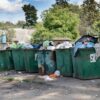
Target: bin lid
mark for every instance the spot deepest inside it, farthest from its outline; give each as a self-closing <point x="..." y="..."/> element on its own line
<point x="86" y="37"/>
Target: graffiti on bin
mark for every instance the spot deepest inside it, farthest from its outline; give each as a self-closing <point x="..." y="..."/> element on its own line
<point x="92" y="58"/>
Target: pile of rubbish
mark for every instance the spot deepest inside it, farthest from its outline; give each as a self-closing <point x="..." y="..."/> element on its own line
<point x="63" y="45"/>
<point x="46" y="45"/>
<point x="49" y="45"/>
<point x="53" y="76"/>
<point x="15" y="45"/>
<point x="86" y="41"/>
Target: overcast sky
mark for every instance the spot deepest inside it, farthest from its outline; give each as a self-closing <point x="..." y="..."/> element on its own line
<point x="10" y="10"/>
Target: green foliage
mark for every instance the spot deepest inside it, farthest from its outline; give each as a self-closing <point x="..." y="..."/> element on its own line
<point x="96" y="27"/>
<point x="62" y="3"/>
<point x="57" y="22"/>
<point x="62" y="22"/>
<point x="5" y="25"/>
<point x="20" y="24"/>
<point x="30" y="14"/>
<point x="74" y="8"/>
<point x="41" y="34"/>
<point x="90" y="12"/>
<point x="67" y="20"/>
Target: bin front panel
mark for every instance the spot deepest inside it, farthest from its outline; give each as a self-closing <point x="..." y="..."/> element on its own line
<point x="84" y="67"/>
<point x="64" y="61"/>
<point x="18" y="58"/>
<point x="30" y="61"/>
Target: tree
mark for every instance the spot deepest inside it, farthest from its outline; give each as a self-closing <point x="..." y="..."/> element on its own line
<point x="7" y="24"/>
<point x="90" y="14"/>
<point x="41" y="34"/>
<point x="65" y="4"/>
<point x="90" y="9"/>
<point x="62" y="3"/>
<point x="96" y="28"/>
<point x="62" y="22"/>
<point x="20" y="24"/>
<point x="57" y="22"/>
<point x="30" y="14"/>
<point x="74" y="8"/>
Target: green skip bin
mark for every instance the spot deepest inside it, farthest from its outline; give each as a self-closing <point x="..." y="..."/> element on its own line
<point x="85" y="64"/>
<point x="6" y="62"/>
<point x="31" y="64"/>
<point x="18" y="58"/>
<point x="64" y="61"/>
<point x="47" y="59"/>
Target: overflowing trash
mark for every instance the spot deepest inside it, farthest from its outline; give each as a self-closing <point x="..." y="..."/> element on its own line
<point x="49" y="45"/>
<point x="15" y="45"/>
<point x="27" y="46"/>
<point x="19" y="45"/>
<point x="64" y="45"/>
<point x="86" y="41"/>
<point x="36" y="46"/>
<point x="88" y="38"/>
<point x="46" y="45"/>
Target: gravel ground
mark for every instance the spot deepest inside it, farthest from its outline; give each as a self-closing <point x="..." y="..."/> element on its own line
<point x="24" y="86"/>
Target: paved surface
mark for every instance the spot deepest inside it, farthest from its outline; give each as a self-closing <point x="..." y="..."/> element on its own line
<point x="33" y="87"/>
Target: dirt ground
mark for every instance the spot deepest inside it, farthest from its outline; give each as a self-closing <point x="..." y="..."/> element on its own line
<point x="24" y="86"/>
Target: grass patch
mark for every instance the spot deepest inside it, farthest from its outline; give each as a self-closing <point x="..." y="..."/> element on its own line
<point x="10" y="79"/>
<point x="27" y="80"/>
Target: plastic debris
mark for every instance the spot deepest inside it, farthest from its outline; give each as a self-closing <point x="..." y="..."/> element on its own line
<point x="64" y="45"/>
<point x="47" y="78"/>
<point x="57" y="73"/>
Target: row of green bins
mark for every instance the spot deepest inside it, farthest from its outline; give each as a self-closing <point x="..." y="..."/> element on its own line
<point x="30" y="61"/>
<point x="64" y="61"/>
<point x="6" y="61"/>
<point x="85" y="64"/>
<point x="18" y="58"/>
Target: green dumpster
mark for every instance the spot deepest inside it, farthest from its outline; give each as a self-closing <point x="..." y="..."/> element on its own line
<point x="5" y="60"/>
<point x="47" y="59"/>
<point x="85" y="64"/>
<point x="30" y="61"/>
<point x="64" y="61"/>
<point x="18" y="58"/>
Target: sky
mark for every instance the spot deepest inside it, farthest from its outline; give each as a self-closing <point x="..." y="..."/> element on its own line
<point x="11" y="10"/>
